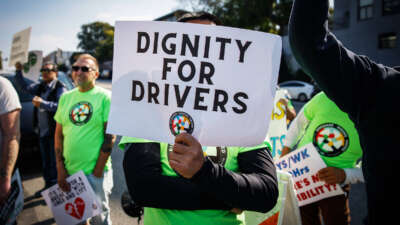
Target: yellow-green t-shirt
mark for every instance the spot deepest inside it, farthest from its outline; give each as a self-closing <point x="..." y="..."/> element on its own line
<point x="82" y="116"/>
<point x="332" y="132"/>
<point x="193" y="217"/>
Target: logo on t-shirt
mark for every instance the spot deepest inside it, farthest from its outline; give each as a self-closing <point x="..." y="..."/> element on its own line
<point x="81" y="113"/>
<point x="330" y="139"/>
<point x="181" y="122"/>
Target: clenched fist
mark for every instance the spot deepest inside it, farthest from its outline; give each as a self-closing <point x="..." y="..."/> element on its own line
<point x="187" y="156"/>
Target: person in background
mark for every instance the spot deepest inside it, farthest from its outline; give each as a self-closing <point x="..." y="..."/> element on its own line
<point x="178" y="184"/>
<point x="367" y="91"/>
<point x="46" y="94"/>
<point x="81" y="142"/>
<point x="10" y="109"/>
<point x="336" y="139"/>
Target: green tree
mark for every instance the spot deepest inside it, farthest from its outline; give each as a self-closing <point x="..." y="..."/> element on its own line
<point x="263" y="15"/>
<point x="97" y="38"/>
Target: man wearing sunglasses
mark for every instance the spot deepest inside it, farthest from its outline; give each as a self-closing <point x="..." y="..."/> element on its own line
<point x="46" y="95"/>
<point x="80" y="139"/>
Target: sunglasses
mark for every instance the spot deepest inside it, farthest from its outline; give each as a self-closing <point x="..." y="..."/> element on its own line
<point x="47" y="70"/>
<point x="82" y="68"/>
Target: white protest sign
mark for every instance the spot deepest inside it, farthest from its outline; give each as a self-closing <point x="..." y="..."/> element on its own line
<point x="31" y="69"/>
<point x="303" y="164"/>
<point x="286" y="210"/>
<point x="14" y="203"/>
<point x="19" y="47"/>
<point x="217" y="83"/>
<point x="277" y="127"/>
<point x="73" y="207"/>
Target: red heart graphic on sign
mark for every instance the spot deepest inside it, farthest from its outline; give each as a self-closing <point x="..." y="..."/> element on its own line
<point x="77" y="209"/>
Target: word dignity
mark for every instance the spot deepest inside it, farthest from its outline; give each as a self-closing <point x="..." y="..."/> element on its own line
<point x="187" y="71"/>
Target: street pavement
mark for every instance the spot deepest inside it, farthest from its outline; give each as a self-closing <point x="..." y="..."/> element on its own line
<point x="36" y="212"/>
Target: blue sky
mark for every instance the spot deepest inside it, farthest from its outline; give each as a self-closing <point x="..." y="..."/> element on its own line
<point x="56" y="23"/>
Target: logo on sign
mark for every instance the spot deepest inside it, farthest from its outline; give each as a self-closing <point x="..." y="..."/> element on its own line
<point x="81" y="113"/>
<point x="181" y="122"/>
<point x="330" y="139"/>
<point x="76" y="209"/>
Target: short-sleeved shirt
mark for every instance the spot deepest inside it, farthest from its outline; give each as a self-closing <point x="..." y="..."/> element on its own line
<point x="226" y="157"/>
<point x="9" y="101"/>
<point x="82" y="116"/>
<point x="332" y="132"/>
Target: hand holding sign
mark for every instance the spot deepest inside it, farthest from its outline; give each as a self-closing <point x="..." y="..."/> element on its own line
<point x="332" y="175"/>
<point x="187" y="156"/>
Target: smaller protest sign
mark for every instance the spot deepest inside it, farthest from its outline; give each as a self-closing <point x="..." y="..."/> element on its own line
<point x="19" y="47"/>
<point x="286" y="206"/>
<point x="14" y="203"/>
<point x="277" y="127"/>
<point x="31" y="69"/>
<point x="303" y="164"/>
<point x="73" y="207"/>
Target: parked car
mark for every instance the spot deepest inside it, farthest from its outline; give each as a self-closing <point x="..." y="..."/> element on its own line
<point x="28" y="121"/>
<point x="299" y="90"/>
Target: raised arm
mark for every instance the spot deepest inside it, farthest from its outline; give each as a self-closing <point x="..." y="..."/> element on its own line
<point x="344" y="76"/>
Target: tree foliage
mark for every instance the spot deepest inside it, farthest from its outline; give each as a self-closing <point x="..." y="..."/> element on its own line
<point x="97" y="38"/>
<point x="264" y="15"/>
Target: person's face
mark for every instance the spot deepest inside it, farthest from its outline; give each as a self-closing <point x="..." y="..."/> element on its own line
<point x="88" y="76"/>
<point x="18" y="66"/>
<point x="206" y="22"/>
<point x="48" y="73"/>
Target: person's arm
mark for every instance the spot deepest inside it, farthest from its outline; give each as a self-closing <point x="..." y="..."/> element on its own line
<point x="105" y="152"/>
<point x="10" y="145"/>
<point x="345" y="77"/>
<point x="51" y="106"/>
<point x="254" y="188"/>
<point x="295" y="131"/>
<point x="32" y="88"/>
<point x="62" y="173"/>
<point x="149" y="187"/>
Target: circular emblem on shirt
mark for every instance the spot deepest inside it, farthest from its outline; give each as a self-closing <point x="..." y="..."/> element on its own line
<point x="330" y="139"/>
<point x="181" y="122"/>
<point x="81" y="113"/>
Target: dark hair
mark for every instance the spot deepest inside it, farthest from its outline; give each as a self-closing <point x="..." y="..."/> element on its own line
<point x="55" y="67"/>
<point x="199" y="16"/>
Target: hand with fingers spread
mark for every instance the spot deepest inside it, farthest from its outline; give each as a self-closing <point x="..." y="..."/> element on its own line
<point x="187" y="156"/>
<point x="332" y="175"/>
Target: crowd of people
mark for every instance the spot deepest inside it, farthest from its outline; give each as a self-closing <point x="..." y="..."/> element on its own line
<point x="201" y="189"/>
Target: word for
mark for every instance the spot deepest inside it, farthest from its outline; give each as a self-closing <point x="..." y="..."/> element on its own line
<point x="293" y="159"/>
<point x="313" y="192"/>
<point x="168" y="45"/>
<point x="58" y="197"/>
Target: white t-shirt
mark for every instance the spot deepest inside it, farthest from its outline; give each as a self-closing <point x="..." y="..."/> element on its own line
<point x="9" y="100"/>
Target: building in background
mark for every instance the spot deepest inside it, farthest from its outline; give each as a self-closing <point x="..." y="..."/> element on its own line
<point x="369" y="27"/>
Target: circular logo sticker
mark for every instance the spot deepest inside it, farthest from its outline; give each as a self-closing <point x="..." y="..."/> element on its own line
<point x="81" y="113"/>
<point x="330" y="139"/>
<point x="181" y="122"/>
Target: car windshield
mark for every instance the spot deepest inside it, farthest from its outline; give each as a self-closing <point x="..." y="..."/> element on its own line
<point x="64" y="78"/>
